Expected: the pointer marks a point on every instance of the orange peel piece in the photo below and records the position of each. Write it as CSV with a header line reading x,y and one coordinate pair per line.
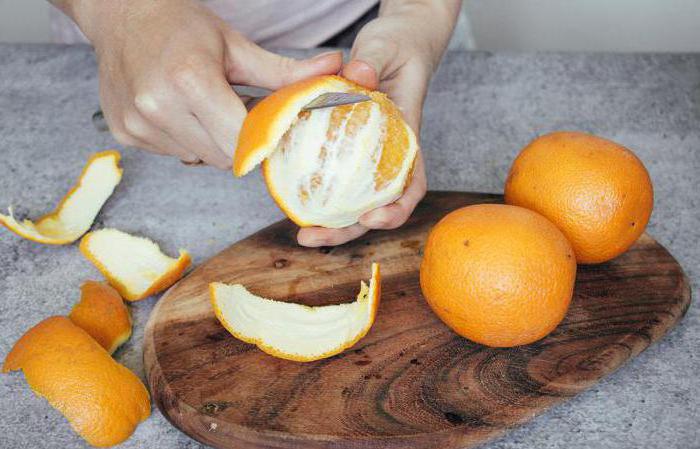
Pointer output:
x,y
101,312
294,331
135,266
76,212
102,400
326,167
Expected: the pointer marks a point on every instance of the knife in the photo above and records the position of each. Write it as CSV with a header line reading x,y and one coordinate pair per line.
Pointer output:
x,y
252,96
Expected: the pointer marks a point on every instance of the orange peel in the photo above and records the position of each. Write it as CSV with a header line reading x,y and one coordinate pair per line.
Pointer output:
x,y
294,331
102,400
326,167
76,212
101,312
135,266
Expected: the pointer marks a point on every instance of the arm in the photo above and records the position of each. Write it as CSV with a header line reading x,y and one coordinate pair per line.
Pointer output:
x,y
397,54
165,67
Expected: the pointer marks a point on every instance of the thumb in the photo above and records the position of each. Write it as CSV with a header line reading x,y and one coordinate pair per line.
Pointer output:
x,y
369,60
255,66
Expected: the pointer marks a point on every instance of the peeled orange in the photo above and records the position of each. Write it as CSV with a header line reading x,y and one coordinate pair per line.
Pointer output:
x,y
498,275
101,312
294,331
596,191
327,167
102,400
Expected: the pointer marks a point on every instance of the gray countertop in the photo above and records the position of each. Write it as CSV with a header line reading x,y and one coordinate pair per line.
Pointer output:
x,y
482,108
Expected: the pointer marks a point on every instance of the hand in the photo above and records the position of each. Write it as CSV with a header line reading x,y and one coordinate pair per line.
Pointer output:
x,y
395,53
165,67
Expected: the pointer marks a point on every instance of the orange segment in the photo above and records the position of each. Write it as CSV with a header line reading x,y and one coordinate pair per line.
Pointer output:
x,y
396,144
101,399
102,313
293,331
135,266
77,210
326,167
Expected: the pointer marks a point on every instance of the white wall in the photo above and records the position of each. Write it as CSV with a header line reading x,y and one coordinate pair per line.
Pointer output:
x,y
24,21
591,25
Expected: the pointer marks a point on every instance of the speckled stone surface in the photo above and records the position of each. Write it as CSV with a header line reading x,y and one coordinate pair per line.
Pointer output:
x,y
481,110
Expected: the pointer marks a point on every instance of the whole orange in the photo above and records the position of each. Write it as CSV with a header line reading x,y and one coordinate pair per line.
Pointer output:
x,y
597,192
498,275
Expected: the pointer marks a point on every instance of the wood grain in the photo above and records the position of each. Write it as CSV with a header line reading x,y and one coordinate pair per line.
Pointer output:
x,y
411,382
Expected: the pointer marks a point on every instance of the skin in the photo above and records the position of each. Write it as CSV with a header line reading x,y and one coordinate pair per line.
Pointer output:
x,y
166,66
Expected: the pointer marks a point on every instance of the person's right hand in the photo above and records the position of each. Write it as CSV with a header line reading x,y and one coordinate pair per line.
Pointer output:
x,y
165,67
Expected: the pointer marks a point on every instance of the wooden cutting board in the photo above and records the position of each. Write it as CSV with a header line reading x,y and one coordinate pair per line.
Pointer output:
x,y
411,382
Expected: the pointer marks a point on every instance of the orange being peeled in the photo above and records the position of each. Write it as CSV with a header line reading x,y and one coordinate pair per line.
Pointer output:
x,y
498,275
102,400
328,166
597,192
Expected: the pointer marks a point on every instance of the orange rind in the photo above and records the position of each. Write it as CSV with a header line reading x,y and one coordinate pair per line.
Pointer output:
x,y
76,212
326,167
102,400
135,266
101,312
294,331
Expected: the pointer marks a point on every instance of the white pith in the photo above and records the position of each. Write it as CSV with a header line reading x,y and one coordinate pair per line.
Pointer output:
x,y
293,330
284,122
79,209
135,262
348,170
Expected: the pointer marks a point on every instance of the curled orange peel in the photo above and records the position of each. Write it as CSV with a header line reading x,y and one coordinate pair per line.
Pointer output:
x,y
134,266
101,312
102,400
77,210
294,331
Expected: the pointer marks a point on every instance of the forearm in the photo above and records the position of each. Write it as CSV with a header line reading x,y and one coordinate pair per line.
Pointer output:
x,y
436,20
102,18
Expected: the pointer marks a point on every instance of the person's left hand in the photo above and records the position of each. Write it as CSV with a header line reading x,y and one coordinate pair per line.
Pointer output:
x,y
396,54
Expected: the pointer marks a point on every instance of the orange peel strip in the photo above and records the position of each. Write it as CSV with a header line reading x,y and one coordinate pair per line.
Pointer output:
x,y
102,400
101,312
294,331
135,266
77,210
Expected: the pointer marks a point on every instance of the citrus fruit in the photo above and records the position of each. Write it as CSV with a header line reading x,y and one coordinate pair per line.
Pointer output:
x,y
597,192
294,331
498,275
101,312
135,266
328,166
77,210
102,400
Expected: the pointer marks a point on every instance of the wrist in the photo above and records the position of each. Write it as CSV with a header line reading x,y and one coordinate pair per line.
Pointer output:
x,y
105,19
442,14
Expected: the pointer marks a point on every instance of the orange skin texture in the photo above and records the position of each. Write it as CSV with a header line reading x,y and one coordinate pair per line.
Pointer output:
x,y
102,400
498,275
597,192
102,313
256,132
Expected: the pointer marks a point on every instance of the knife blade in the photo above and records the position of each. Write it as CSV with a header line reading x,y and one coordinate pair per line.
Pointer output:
x,y
254,95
